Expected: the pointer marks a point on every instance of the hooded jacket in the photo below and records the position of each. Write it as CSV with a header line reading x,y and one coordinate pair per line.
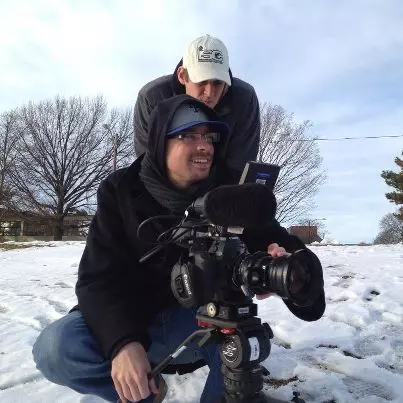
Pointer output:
x,y
118,296
239,108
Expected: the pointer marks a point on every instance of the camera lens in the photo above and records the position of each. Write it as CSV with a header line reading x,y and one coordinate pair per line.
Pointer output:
x,y
297,277
305,277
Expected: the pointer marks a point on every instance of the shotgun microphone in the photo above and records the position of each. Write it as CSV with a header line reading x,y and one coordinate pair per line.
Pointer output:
x,y
249,205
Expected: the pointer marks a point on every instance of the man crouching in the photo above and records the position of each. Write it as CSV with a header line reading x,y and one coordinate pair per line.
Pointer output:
x,y
127,317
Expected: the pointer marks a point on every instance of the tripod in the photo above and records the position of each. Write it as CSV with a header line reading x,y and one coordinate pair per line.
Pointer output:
x,y
244,344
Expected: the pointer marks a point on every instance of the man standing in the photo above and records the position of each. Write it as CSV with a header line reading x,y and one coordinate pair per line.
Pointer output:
x,y
204,73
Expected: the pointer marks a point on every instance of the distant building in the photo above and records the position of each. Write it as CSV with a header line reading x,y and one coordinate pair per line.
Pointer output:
x,y
307,233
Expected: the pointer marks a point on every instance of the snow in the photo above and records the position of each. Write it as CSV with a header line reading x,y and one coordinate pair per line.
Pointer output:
x,y
353,354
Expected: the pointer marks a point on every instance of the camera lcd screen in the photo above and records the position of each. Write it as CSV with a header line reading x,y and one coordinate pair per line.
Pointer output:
x,y
260,172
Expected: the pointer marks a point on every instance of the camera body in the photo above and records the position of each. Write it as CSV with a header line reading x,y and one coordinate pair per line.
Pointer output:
x,y
219,269
205,275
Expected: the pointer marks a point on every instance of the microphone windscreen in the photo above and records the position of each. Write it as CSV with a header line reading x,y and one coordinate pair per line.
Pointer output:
x,y
250,205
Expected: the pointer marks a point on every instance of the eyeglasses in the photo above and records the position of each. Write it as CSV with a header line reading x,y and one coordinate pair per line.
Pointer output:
x,y
191,137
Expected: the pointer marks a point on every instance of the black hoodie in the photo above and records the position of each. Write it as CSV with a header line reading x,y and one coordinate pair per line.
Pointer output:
x,y
158,125
118,296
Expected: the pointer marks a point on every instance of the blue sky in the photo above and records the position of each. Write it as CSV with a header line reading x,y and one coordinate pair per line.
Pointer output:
x,y
338,64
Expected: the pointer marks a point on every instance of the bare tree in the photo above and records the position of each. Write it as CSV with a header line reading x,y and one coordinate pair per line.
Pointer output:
x,y
63,154
8,141
287,144
120,130
391,230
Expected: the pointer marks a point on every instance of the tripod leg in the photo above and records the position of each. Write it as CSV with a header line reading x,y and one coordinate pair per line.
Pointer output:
x,y
206,334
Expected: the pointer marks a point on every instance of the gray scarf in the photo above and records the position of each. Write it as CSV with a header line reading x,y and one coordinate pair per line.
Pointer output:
x,y
162,190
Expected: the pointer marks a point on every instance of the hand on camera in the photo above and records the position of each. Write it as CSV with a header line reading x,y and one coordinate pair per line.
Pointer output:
x,y
130,369
275,250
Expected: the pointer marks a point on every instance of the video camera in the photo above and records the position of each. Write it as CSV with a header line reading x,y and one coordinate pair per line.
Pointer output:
x,y
219,267
219,276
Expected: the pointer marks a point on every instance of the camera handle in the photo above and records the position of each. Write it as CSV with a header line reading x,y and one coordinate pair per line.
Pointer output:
x,y
242,382
205,334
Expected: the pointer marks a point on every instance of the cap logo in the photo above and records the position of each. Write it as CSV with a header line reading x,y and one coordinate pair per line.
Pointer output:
x,y
194,108
210,56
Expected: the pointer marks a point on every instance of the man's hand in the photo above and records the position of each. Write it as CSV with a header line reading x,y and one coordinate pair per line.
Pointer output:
x,y
275,250
130,369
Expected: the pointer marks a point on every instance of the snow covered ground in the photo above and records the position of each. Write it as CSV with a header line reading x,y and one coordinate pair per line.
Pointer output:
x,y
353,354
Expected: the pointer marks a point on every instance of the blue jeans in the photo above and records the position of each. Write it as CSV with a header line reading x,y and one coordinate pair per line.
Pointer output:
x,y
66,353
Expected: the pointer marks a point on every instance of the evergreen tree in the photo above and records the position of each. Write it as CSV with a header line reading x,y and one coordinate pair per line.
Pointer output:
x,y
395,180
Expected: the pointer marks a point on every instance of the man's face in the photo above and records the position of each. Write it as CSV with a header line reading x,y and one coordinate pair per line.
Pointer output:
x,y
209,91
189,157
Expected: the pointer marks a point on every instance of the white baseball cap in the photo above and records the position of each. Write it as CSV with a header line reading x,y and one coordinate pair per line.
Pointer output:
x,y
206,58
